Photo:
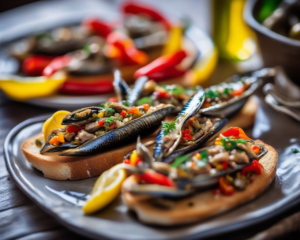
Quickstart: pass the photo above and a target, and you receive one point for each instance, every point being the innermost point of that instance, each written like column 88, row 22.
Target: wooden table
column 20, row 218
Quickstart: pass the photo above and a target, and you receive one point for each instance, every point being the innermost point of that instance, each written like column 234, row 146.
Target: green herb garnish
column 145, row 100
column 227, row 91
column 109, row 111
column 125, row 103
column 295, row 150
column 229, row 143
column 109, row 120
column 211, row 94
column 179, row 160
column 168, row 127
column 87, row 49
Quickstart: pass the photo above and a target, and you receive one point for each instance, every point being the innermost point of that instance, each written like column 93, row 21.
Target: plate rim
column 82, row 231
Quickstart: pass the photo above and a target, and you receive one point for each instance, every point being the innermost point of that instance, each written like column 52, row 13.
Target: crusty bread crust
column 205, row 204
column 74, row 168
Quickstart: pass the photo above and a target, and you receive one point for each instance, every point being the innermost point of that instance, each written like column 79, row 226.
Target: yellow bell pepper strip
column 165, row 65
column 255, row 167
column 225, row 187
column 23, row 88
column 130, row 7
column 56, row 64
column 174, row 43
column 97, row 26
column 153, row 177
column 34, row 65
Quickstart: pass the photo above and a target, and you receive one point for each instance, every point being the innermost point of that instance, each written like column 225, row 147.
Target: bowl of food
column 276, row 34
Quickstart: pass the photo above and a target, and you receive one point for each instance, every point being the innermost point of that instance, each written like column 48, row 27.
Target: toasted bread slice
column 74, row 168
column 202, row 205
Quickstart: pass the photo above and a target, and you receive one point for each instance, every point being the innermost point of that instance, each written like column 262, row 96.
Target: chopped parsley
column 295, row 150
column 125, row 103
column 109, row 111
column 204, row 159
column 174, row 89
column 87, row 49
column 229, row 143
column 168, row 127
column 109, row 120
column 211, row 94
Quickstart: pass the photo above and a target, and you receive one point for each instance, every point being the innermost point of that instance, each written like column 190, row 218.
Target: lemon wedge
column 106, row 189
column 54, row 122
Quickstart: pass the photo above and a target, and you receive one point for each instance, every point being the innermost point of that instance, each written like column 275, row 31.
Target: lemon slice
column 54, row 122
column 106, row 189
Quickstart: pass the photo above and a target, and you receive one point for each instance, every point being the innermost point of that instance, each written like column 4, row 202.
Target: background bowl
column 276, row 49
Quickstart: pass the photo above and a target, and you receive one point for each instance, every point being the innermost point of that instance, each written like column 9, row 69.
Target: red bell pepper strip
column 99, row 27
column 129, row 55
column 56, row 64
column 153, row 177
column 255, row 167
column 72, row 128
column 86, row 88
column 167, row 74
column 135, row 8
column 160, row 64
column 34, row 66
column 225, row 187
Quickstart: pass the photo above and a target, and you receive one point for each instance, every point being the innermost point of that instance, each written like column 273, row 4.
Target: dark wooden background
column 19, row 217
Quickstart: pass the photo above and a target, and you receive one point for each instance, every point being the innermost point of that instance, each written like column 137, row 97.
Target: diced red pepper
column 78, row 87
column 99, row 27
column 101, row 122
column 187, row 136
column 34, row 66
column 113, row 125
column 163, row 63
column 153, row 177
column 225, row 187
column 136, row 8
column 255, row 167
column 225, row 165
column 54, row 140
column 138, row 161
column 72, row 128
column 56, row 64
column 127, row 161
column 133, row 109
column 186, row 131
column 163, row 94
column 238, row 92
column 256, row 149
column 123, row 113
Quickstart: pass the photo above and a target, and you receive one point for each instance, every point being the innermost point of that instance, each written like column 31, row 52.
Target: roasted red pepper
column 99, row 27
column 101, row 122
column 162, row 94
column 225, row 187
column 56, row 64
column 186, row 135
column 34, row 66
column 255, row 167
column 135, row 8
column 153, row 177
column 225, row 165
column 127, row 161
column 162, row 64
column 113, row 125
column 72, row 128
column 86, row 88
column 167, row 74
column 236, row 132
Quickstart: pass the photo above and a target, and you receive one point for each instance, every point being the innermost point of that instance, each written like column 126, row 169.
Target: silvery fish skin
column 123, row 135
column 121, row 88
column 218, row 124
column 70, row 118
column 190, row 109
